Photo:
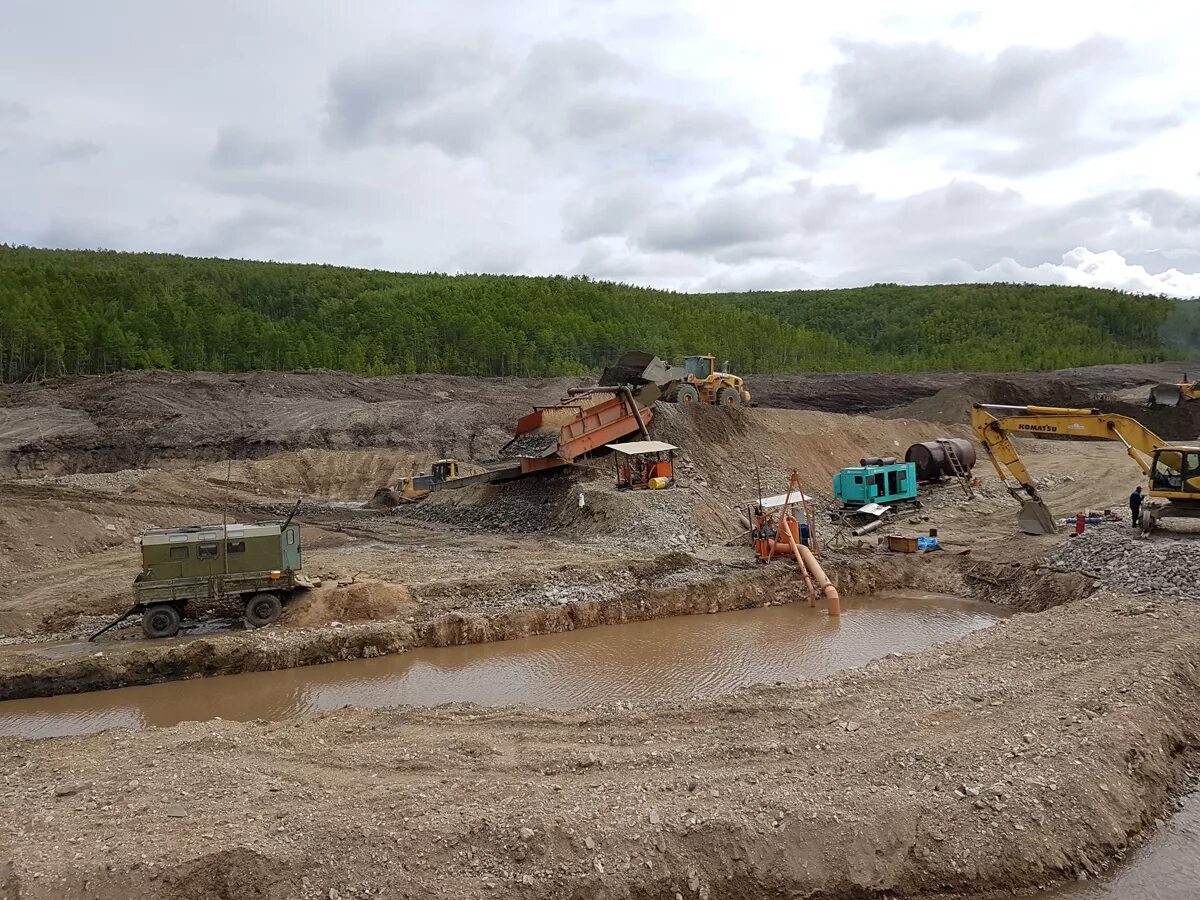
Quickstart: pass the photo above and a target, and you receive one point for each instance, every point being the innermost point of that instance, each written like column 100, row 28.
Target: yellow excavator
column 1173, row 471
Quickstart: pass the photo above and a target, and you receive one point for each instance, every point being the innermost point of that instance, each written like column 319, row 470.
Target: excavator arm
column 993, row 426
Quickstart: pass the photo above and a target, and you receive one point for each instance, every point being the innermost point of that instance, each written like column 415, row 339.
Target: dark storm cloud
column 1034, row 97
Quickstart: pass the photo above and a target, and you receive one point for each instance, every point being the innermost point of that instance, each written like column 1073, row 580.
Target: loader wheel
column 687, row 394
column 728, row 396
column 160, row 621
column 263, row 609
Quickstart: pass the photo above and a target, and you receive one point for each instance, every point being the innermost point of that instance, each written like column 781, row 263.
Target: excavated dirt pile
column 953, row 404
column 359, row 602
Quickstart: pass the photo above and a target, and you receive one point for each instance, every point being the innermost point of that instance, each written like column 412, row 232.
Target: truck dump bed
column 553, row 436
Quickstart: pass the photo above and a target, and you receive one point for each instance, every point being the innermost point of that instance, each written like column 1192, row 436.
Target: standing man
column 1135, row 505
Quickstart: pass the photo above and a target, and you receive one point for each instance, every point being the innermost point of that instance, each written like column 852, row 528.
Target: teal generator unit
column 876, row 480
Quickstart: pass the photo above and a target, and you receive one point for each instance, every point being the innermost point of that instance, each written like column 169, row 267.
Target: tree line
column 85, row 312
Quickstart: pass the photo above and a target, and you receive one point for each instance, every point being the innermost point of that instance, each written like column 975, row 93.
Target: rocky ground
column 1010, row 758
column 1028, row 753
column 1117, row 555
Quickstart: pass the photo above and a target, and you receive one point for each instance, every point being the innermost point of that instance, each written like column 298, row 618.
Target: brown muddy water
column 664, row 659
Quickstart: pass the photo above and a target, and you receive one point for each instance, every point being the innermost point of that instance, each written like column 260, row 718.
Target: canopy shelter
column 644, row 464
column 778, row 500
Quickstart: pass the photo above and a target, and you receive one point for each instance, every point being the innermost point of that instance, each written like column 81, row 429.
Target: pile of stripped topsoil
column 361, row 601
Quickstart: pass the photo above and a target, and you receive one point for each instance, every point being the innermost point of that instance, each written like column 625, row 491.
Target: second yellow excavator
column 1173, row 471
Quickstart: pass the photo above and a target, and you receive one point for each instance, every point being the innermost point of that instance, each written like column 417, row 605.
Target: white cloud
column 708, row 145
column 1082, row 267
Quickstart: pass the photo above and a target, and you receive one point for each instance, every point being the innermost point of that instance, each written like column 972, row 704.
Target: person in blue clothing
column 1135, row 505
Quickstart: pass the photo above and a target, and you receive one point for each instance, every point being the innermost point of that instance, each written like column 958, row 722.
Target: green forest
column 80, row 312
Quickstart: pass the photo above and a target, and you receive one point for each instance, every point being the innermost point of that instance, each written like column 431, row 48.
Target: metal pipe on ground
column 867, row 529
column 824, row 585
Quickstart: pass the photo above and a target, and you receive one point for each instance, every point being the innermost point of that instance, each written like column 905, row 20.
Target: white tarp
column 635, row 447
column 779, row 499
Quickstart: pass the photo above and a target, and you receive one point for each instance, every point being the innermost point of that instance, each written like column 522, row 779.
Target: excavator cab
column 1175, row 473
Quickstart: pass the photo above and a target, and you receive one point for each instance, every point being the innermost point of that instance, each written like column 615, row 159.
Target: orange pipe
column 823, row 583
column 812, row 591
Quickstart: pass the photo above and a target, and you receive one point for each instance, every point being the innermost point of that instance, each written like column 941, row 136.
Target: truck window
column 206, row 551
column 179, row 553
column 291, row 533
column 235, row 547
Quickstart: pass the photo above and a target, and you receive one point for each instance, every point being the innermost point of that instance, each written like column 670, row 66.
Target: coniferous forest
column 75, row 312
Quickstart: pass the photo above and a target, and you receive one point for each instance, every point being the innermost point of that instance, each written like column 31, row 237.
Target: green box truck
column 259, row 565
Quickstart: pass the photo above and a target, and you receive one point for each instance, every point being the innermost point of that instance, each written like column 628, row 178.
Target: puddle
column 1166, row 867
column 667, row 659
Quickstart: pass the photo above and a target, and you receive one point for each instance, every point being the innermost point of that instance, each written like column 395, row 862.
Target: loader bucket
column 1165, row 395
column 1036, row 518
column 638, row 367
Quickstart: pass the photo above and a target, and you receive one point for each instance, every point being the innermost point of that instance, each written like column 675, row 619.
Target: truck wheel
column 686, row 394
column 728, row 396
column 160, row 621
column 263, row 609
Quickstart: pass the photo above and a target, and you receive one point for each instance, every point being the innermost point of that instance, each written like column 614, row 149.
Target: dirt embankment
column 141, row 419
column 1085, row 389
column 1009, row 759
column 869, row 392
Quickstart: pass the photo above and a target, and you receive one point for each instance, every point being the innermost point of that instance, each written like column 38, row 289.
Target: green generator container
column 893, row 482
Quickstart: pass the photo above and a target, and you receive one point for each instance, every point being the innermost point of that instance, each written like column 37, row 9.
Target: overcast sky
column 699, row 145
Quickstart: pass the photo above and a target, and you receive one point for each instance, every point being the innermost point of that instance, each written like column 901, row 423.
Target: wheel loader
column 696, row 381
column 1173, row 394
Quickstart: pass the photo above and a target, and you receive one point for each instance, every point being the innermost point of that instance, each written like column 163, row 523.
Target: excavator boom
column 993, row 426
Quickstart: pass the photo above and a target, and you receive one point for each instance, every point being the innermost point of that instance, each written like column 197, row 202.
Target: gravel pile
column 110, row 482
column 1157, row 565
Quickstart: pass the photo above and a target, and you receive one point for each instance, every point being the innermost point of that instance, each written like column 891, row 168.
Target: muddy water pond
column 666, row 659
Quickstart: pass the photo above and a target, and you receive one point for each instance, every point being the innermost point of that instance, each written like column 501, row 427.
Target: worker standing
column 1135, row 505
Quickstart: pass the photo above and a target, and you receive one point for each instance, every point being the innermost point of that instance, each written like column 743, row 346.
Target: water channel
column 666, row 659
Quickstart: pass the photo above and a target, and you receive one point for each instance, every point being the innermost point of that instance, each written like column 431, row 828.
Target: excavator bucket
column 1165, row 395
column 1035, row 518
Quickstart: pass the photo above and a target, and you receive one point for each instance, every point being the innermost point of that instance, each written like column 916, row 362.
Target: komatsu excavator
column 1173, row 471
